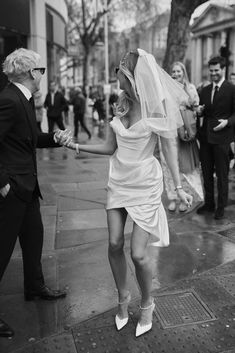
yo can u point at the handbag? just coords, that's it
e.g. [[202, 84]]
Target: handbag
[[187, 132]]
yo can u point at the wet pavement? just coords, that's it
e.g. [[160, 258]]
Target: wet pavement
[[194, 276]]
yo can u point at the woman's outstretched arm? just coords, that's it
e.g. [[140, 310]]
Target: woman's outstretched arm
[[108, 147]]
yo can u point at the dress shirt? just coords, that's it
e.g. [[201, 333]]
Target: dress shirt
[[52, 98]]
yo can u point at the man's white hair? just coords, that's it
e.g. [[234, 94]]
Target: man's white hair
[[19, 62]]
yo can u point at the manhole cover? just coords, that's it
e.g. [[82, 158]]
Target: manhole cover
[[181, 308]]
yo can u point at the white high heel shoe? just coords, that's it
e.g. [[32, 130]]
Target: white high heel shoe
[[120, 323], [141, 329]]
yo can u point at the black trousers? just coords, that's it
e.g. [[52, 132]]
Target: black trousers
[[18, 218], [215, 158], [79, 118], [58, 121]]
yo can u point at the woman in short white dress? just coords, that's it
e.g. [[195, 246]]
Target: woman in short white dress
[[146, 107]]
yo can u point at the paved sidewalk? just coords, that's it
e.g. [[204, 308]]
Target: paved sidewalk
[[194, 281]]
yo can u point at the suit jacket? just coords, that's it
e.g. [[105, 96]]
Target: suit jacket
[[59, 105], [79, 104], [19, 138], [223, 107]]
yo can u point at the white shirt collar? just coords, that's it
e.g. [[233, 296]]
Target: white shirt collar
[[26, 92], [219, 83]]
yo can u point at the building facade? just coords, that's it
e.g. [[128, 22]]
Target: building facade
[[39, 25], [213, 33]]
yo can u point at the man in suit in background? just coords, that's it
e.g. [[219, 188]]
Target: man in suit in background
[[79, 108], [217, 104], [55, 103], [19, 189]]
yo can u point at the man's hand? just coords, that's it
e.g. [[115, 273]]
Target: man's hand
[[63, 136], [222, 124], [4, 191]]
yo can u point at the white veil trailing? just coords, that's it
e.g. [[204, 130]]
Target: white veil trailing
[[159, 95]]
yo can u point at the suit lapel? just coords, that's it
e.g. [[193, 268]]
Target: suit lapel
[[30, 114], [221, 91], [210, 87]]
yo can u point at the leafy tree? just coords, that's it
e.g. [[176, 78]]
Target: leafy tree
[[178, 30], [86, 24]]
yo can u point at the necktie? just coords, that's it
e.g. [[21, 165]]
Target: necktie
[[215, 93]]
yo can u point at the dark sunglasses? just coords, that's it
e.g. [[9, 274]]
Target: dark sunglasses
[[116, 70], [41, 69]]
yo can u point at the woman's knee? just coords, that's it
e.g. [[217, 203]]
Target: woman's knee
[[116, 245], [139, 257]]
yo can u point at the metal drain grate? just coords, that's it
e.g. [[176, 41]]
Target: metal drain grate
[[181, 308]]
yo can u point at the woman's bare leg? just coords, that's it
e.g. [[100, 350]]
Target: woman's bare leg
[[141, 261], [116, 223]]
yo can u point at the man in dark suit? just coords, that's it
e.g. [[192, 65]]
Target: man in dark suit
[[55, 103], [79, 108], [19, 189], [217, 104]]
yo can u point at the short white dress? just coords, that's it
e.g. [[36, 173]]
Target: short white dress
[[136, 180]]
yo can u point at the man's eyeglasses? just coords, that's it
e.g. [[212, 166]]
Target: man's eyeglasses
[[41, 69]]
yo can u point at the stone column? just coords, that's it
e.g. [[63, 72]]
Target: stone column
[[232, 49], [197, 61], [38, 41], [209, 47]]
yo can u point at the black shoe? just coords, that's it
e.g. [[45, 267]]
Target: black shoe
[[219, 213], [5, 330], [205, 208], [44, 293]]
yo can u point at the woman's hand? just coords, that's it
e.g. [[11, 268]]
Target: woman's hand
[[185, 198], [63, 137]]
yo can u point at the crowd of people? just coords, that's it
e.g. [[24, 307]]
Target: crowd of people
[[194, 131]]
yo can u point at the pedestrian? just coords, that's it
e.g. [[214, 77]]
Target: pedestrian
[[186, 143], [217, 104], [146, 107], [66, 108], [99, 107], [112, 101], [39, 104], [79, 108], [56, 104], [19, 190], [232, 145]]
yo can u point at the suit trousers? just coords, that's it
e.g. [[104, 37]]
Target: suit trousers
[[58, 121], [80, 118], [22, 219], [215, 158]]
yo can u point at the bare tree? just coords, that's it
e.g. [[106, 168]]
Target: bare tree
[[85, 22], [178, 30]]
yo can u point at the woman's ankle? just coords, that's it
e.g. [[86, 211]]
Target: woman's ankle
[[145, 303], [123, 296]]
